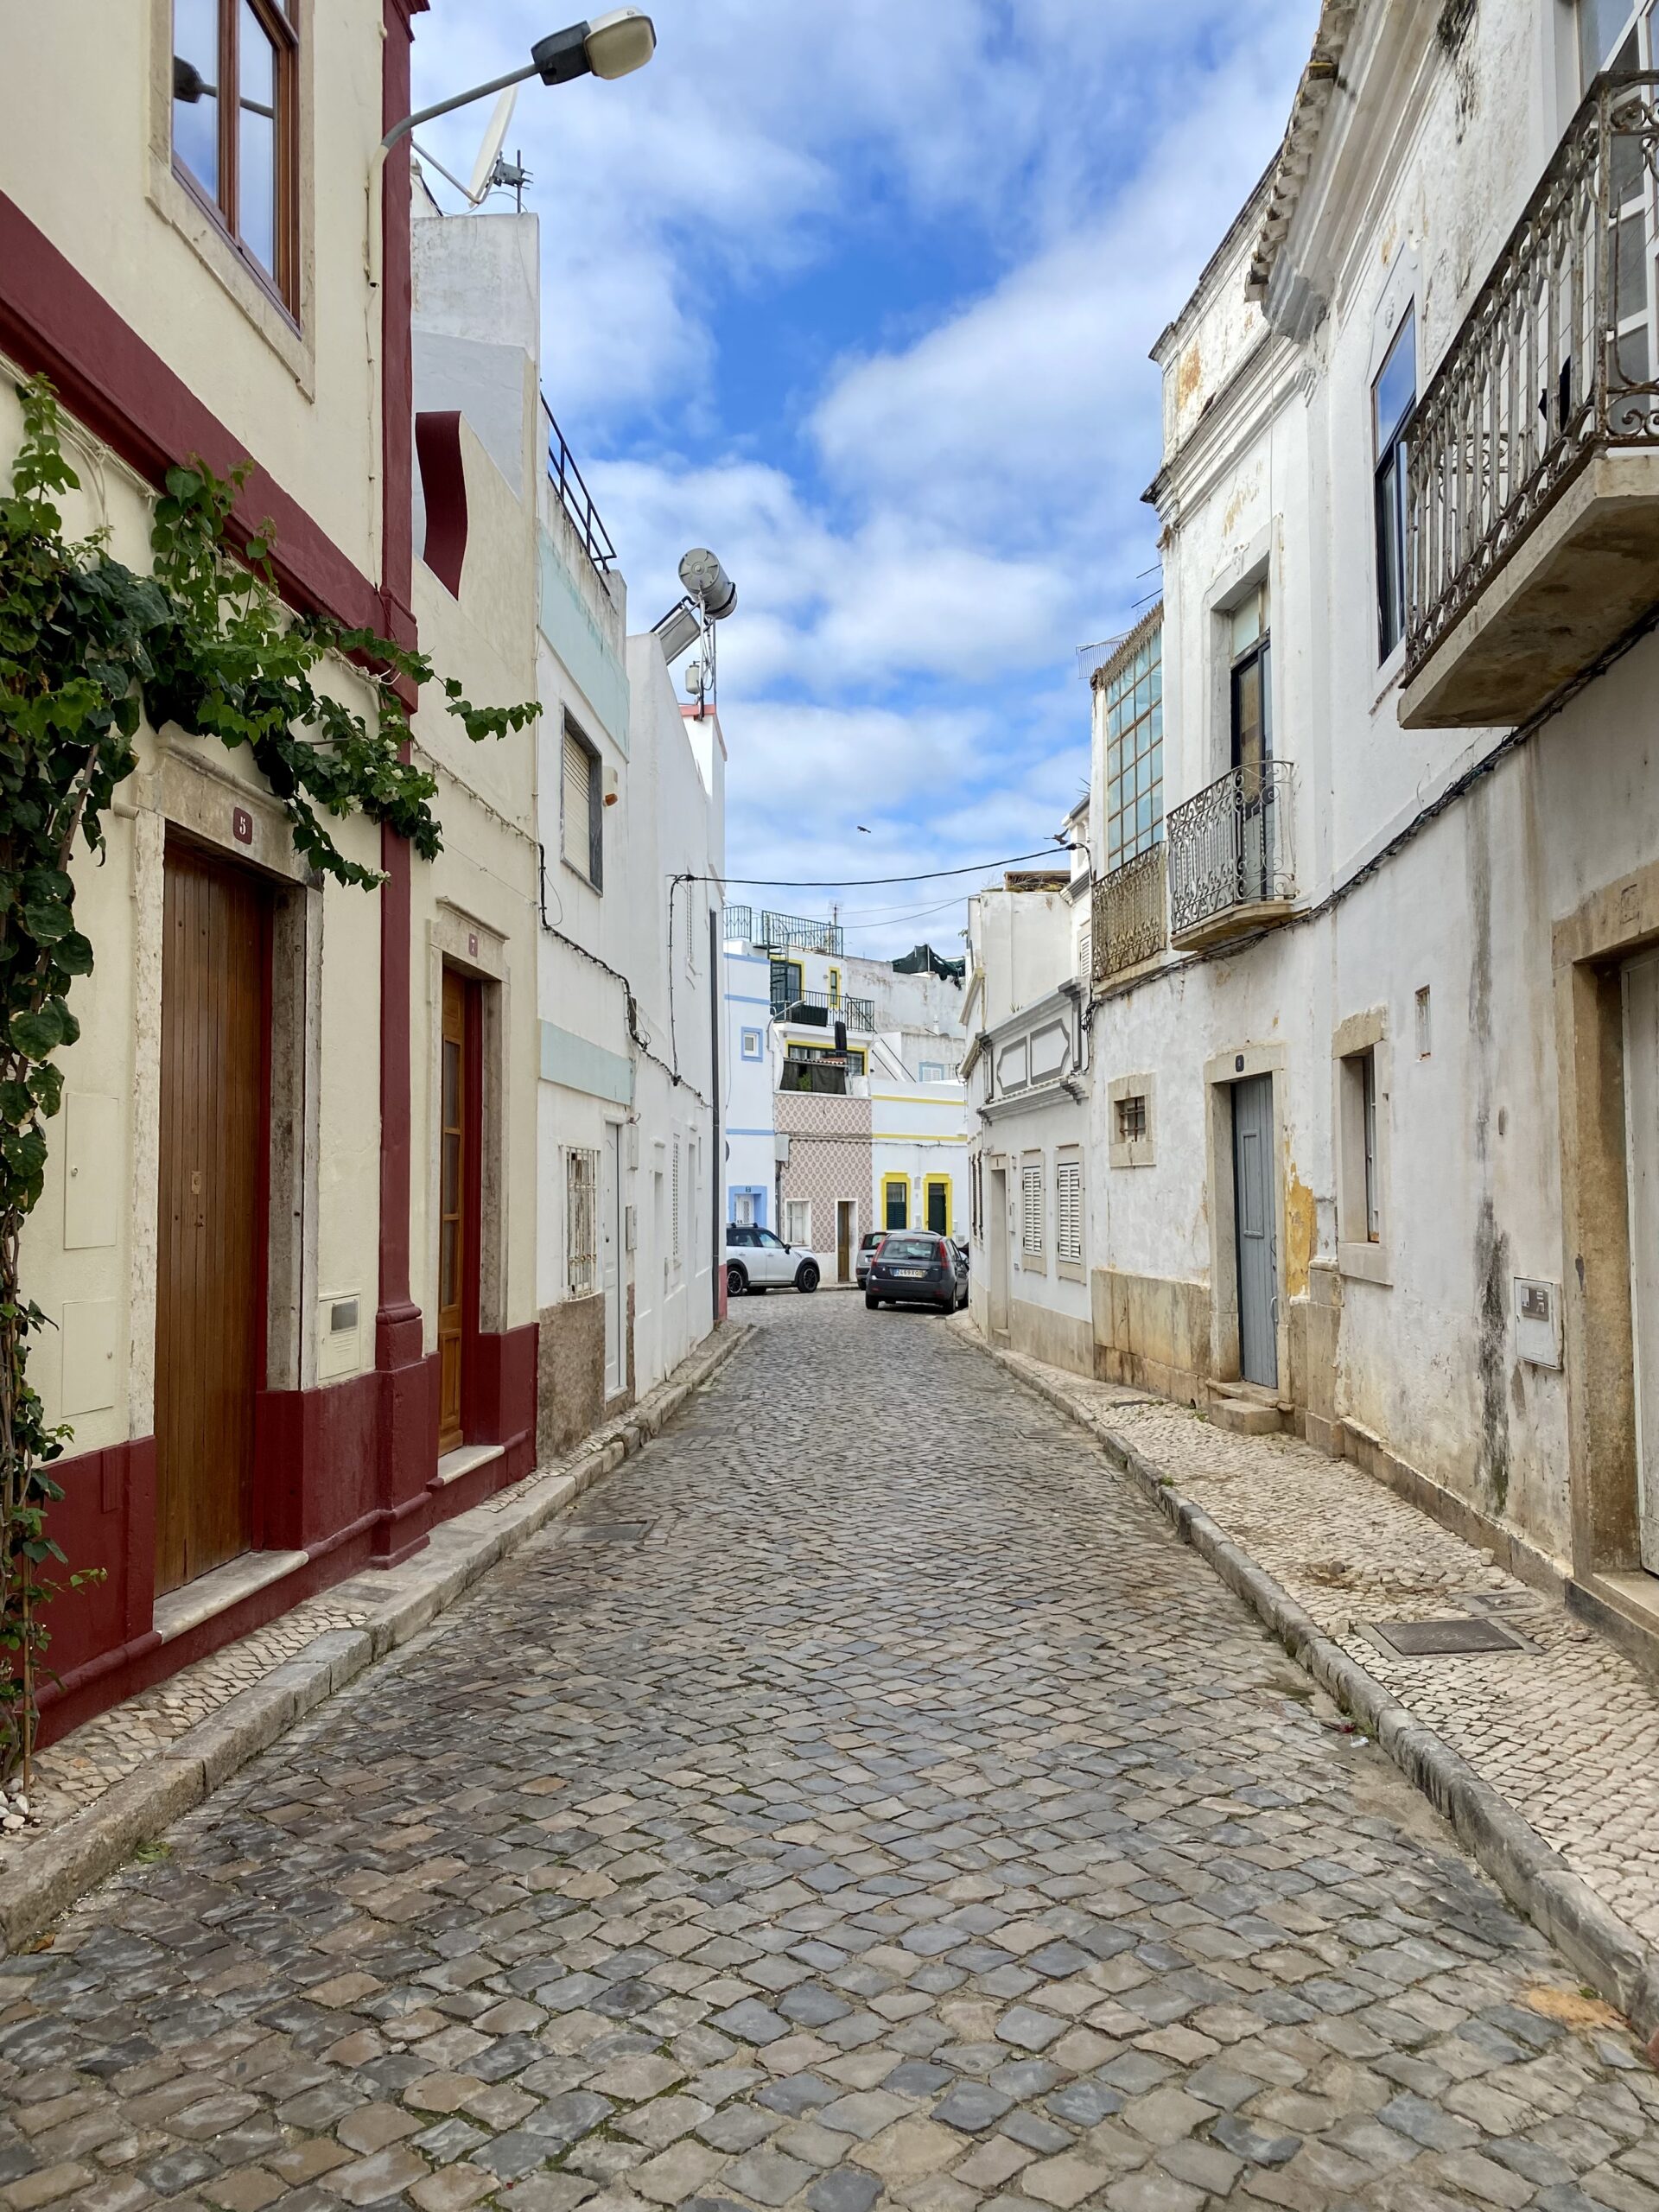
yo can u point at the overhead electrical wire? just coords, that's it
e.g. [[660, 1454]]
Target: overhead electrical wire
[[873, 882]]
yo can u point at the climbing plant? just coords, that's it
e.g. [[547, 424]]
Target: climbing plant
[[90, 652]]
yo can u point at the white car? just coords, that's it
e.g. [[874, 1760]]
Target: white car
[[756, 1260]]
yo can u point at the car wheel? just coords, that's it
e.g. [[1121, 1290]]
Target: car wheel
[[806, 1276], [870, 1303], [736, 1282]]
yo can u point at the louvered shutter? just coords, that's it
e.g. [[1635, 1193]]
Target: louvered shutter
[[1031, 1188], [578, 804], [1068, 1208]]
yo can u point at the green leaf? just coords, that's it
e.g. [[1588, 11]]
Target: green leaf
[[74, 954], [47, 921], [37, 1036]]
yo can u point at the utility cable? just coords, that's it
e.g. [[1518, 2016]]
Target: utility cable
[[874, 882], [634, 1031]]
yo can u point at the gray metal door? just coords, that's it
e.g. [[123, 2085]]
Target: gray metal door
[[1258, 1247]]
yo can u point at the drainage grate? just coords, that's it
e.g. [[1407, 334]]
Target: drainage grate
[[1444, 1639], [609, 1532]]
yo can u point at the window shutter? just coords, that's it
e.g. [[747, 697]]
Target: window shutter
[[596, 824], [1031, 1188], [578, 804], [1068, 1207], [675, 1201]]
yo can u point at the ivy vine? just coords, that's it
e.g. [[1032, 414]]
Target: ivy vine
[[91, 650]]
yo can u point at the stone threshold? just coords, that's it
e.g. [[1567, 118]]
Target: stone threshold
[[43, 1872], [1536, 1879], [209, 1595]]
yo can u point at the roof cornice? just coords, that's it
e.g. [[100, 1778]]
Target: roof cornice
[[1289, 171]]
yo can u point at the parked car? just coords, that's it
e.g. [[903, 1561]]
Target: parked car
[[868, 1245], [916, 1267], [756, 1260]]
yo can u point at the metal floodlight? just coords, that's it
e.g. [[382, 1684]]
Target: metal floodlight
[[613, 45]]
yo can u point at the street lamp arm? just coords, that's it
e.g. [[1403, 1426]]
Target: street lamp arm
[[460, 99]]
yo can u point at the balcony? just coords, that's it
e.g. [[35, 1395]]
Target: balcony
[[1230, 858], [857, 1013], [1534, 473], [1129, 925]]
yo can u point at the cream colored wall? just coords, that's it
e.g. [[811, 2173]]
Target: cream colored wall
[[477, 903], [101, 1298], [85, 152]]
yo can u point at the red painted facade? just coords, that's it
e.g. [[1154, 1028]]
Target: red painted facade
[[346, 1474]]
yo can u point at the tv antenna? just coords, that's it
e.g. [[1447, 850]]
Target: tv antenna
[[711, 596]]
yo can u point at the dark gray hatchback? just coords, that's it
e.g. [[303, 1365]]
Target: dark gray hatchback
[[912, 1269]]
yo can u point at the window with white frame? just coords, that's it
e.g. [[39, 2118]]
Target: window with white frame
[[582, 835], [1031, 1244], [1134, 750], [674, 1206], [1130, 1132], [1361, 1073], [580, 1221], [798, 1223], [743, 1209], [751, 1044], [1068, 1209], [930, 1072]]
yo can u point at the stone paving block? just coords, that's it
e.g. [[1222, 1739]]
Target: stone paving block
[[660, 1894]]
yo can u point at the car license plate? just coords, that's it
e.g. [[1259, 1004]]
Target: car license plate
[[914, 1274]]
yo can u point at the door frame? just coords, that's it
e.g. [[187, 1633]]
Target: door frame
[[612, 1168], [998, 1287], [1221, 1071], [846, 1239]]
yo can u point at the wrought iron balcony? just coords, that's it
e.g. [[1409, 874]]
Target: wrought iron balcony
[[857, 1013], [793, 933], [1129, 924], [739, 925], [1230, 858], [1533, 479]]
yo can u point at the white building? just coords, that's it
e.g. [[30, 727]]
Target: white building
[[1375, 1125], [845, 1107]]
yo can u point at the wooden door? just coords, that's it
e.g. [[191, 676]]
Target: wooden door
[[1258, 1247], [211, 1256], [844, 1239], [1641, 984], [454, 1142]]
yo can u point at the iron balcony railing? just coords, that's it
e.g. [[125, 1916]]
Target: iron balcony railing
[[576, 500], [1230, 847], [857, 1013], [1129, 923], [739, 925], [1554, 362], [793, 933]]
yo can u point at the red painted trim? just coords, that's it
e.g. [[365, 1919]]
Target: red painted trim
[[444, 488], [54, 322]]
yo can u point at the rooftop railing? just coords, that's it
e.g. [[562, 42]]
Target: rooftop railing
[[781, 932], [1554, 362], [857, 1013], [574, 496]]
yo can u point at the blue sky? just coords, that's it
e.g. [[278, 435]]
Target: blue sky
[[861, 295]]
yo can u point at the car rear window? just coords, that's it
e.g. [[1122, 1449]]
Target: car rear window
[[910, 1248], [873, 1239]]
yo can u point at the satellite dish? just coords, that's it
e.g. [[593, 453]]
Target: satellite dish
[[490, 151], [708, 582]]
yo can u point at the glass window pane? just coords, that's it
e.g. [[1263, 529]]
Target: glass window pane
[[256, 143], [1396, 385], [1601, 27], [195, 89], [448, 1271], [451, 1083], [1246, 624]]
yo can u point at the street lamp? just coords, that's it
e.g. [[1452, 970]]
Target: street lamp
[[613, 45]]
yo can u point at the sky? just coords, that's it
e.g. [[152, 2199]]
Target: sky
[[861, 296]]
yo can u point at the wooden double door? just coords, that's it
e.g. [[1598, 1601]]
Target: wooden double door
[[211, 1256], [461, 1086]]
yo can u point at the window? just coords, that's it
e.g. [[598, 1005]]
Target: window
[[835, 987], [582, 1221], [1251, 702], [1068, 1210], [234, 127], [1130, 1132], [1393, 397], [1425, 1036], [932, 1071], [787, 986], [1030, 1210], [673, 1204], [895, 1202], [1607, 38], [1361, 1053], [751, 1044], [583, 841], [798, 1223], [1134, 750]]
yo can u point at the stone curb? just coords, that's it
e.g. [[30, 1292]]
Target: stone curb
[[49, 1875], [1534, 1877]]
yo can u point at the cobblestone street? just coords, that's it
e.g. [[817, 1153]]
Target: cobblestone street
[[866, 1798]]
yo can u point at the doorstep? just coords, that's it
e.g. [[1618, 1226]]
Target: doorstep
[[452, 1466], [1542, 1758], [209, 1595], [121, 1778]]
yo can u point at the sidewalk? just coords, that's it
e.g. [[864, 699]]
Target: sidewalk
[[1566, 1733], [111, 1784]]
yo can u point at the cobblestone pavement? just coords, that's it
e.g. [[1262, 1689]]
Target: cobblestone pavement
[[868, 1800], [1568, 1731]]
